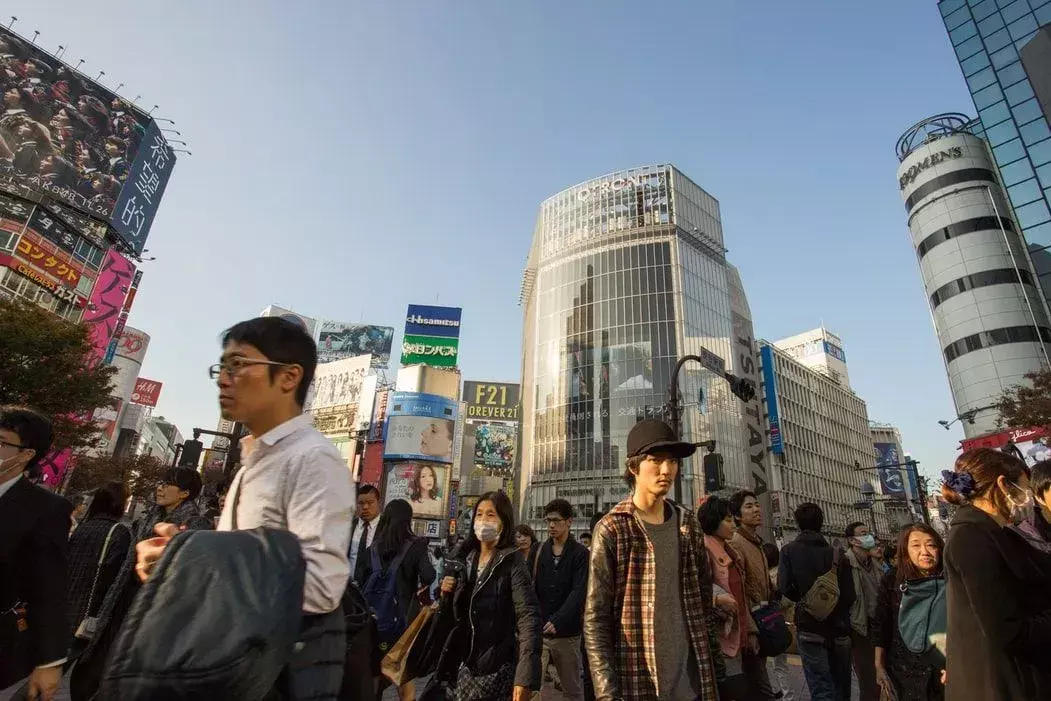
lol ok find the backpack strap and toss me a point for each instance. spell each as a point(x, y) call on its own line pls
point(396, 562)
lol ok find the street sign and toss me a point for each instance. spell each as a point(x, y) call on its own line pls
point(712, 362)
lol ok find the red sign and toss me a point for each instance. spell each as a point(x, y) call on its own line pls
point(47, 282)
point(372, 465)
point(999, 440)
point(146, 392)
point(48, 258)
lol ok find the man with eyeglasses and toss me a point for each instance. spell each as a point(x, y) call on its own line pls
point(293, 479)
point(34, 564)
point(561, 583)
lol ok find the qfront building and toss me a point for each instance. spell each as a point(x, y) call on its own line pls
point(628, 273)
point(987, 308)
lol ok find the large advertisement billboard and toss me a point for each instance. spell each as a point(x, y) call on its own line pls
point(64, 135)
point(420, 427)
point(432, 336)
point(492, 400)
point(107, 301)
point(424, 485)
point(338, 340)
point(888, 466)
point(338, 383)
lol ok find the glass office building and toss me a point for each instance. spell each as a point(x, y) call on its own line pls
point(988, 37)
point(627, 273)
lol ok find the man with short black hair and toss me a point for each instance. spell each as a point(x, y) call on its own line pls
point(34, 561)
point(748, 515)
point(561, 582)
point(649, 621)
point(824, 645)
point(293, 479)
point(363, 526)
point(866, 575)
point(1036, 528)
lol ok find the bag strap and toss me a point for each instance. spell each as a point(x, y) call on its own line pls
point(536, 561)
point(98, 568)
point(835, 559)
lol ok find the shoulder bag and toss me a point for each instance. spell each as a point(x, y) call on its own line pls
point(89, 626)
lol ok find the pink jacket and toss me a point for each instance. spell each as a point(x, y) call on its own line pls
point(728, 573)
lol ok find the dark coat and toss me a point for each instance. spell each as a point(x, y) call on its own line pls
point(999, 613)
point(561, 589)
point(804, 560)
point(85, 549)
point(916, 677)
point(1036, 531)
point(34, 569)
point(416, 571)
point(485, 617)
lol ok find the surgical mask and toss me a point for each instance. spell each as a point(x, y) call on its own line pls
point(1021, 509)
point(486, 532)
point(866, 542)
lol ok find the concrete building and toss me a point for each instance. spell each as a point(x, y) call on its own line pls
point(627, 273)
point(819, 438)
point(820, 350)
point(158, 438)
point(989, 314)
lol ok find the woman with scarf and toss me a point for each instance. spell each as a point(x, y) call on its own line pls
point(911, 607)
point(999, 587)
point(175, 504)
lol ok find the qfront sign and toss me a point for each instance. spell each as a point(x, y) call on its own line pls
point(932, 160)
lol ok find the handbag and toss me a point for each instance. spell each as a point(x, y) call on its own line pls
point(922, 614)
point(89, 626)
point(497, 685)
point(396, 663)
point(772, 629)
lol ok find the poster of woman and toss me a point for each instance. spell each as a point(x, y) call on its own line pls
point(424, 485)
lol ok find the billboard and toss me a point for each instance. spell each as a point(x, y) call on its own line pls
point(308, 324)
point(64, 273)
point(441, 322)
point(72, 139)
point(887, 463)
point(777, 445)
point(420, 427)
point(492, 400)
point(107, 301)
point(427, 350)
point(424, 485)
point(338, 340)
point(338, 384)
point(494, 445)
point(146, 392)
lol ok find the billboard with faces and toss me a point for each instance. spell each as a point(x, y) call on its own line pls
point(420, 427)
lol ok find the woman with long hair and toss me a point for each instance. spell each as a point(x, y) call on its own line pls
point(527, 544)
point(425, 492)
point(911, 669)
point(493, 652)
point(395, 541)
point(999, 588)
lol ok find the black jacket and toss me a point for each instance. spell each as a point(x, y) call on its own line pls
point(416, 571)
point(34, 569)
point(85, 550)
point(999, 622)
point(804, 560)
point(561, 589)
point(915, 676)
point(486, 617)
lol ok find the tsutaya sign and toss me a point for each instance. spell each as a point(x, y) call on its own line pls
point(931, 160)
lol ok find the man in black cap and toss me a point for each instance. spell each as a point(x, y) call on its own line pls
point(649, 622)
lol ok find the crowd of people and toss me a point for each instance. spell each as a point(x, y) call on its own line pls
point(658, 602)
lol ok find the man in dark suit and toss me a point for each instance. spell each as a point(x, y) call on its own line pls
point(34, 529)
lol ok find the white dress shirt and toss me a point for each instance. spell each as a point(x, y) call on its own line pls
point(4, 486)
point(355, 540)
point(295, 479)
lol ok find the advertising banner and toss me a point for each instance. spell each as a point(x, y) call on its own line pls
point(46, 281)
point(146, 392)
point(1028, 444)
point(912, 477)
point(308, 324)
point(423, 484)
point(424, 320)
point(366, 403)
point(776, 443)
point(51, 259)
point(338, 340)
point(133, 344)
point(372, 465)
point(889, 474)
point(338, 384)
point(494, 445)
point(76, 141)
point(428, 350)
point(379, 415)
point(497, 401)
point(107, 300)
point(420, 427)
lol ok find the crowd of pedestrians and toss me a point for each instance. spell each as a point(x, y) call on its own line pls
point(657, 602)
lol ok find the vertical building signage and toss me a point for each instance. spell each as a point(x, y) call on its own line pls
point(889, 473)
point(432, 336)
point(777, 445)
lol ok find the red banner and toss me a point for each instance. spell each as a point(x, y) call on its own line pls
point(999, 440)
point(146, 392)
point(47, 257)
point(46, 281)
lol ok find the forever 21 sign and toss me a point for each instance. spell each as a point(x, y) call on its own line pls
point(931, 160)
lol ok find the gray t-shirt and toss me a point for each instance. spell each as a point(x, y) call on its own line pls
point(677, 675)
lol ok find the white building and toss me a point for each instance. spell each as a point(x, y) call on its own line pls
point(820, 350)
point(158, 438)
point(819, 438)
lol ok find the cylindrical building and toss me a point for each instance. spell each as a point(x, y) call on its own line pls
point(990, 317)
point(627, 274)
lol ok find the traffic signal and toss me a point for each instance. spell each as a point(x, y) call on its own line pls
point(743, 388)
point(191, 453)
point(714, 477)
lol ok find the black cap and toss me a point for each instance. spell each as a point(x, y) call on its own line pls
point(655, 436)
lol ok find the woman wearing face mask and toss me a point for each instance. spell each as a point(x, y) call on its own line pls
point(494, 651)
point(999, 588)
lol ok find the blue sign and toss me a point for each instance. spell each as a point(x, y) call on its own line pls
point(777, 444)
point(835, 351)
point(420, 427)
point(889, 470)
point(442, 322)
point(910, 474)
point(142, 191)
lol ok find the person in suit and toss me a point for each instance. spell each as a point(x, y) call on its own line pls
point(34, 562)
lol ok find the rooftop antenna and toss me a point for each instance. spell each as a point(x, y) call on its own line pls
point(13, 20)
point(99, 76)
point(61, 49)
point(118, 87)
point(36, 33)
point(79, 64)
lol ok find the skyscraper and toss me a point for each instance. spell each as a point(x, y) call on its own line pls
point(627, 273)
point(989, 38)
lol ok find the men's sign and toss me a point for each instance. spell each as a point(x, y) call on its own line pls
point(932, 160)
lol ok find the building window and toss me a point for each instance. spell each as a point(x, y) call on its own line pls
point(995, 337)
point(1003, 276)
point(943, 181)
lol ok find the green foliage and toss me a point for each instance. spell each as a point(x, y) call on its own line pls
point(1023, 406)
point(139, 473)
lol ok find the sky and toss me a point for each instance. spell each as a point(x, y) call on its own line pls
point(350, 158)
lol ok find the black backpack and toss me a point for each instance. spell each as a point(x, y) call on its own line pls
point(381, 593)
point(218, 619)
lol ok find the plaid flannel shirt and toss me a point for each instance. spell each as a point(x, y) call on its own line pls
point(619, 634)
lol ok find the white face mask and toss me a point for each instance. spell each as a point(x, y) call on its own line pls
point(1021, 509)
point(486, 532)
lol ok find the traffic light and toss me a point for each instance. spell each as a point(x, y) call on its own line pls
point(714, 477)
point(743, 388)
point(191, 453)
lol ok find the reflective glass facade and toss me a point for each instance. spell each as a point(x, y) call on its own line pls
point(627, 274)
point(987, 36)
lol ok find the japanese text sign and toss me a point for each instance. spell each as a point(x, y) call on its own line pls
point(142, 192)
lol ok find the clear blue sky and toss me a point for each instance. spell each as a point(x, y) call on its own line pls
point(350, 158)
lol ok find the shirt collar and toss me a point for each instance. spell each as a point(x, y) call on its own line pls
point(4, 486)
point(277, 433)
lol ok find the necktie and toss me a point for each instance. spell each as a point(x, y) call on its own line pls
point(363, 545)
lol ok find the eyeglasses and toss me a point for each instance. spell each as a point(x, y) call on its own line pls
point(554, 519)
point(5, 444)
point(234, 366)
